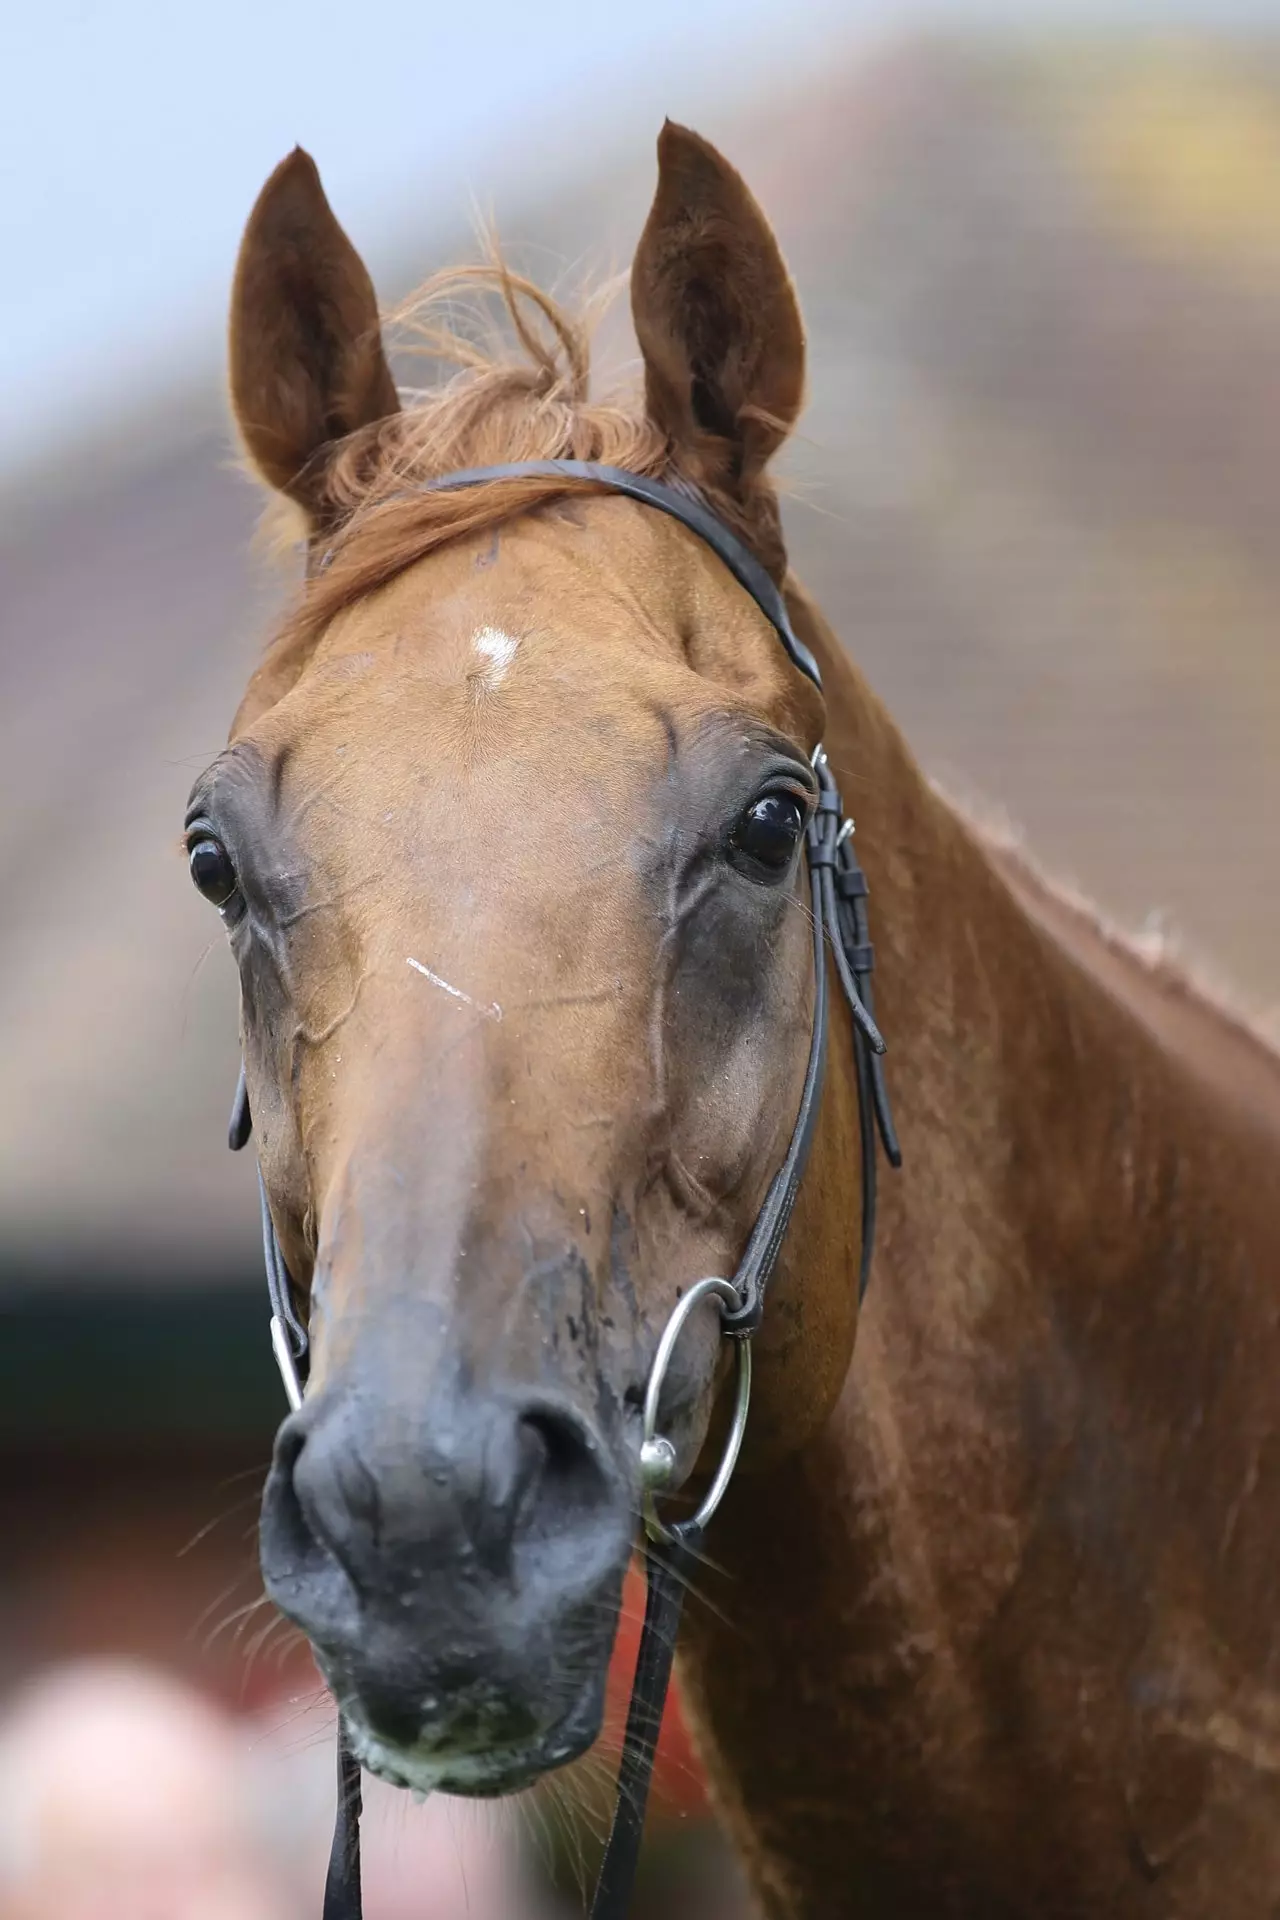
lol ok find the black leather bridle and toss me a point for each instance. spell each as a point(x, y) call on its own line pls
point(838, 898)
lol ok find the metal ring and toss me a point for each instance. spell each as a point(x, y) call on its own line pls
point(286, 1363)
point(726, 1292)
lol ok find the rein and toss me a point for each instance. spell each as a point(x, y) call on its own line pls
point(838, 900)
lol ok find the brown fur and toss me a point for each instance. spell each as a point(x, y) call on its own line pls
point(1009, 1621)
point(998, 1597)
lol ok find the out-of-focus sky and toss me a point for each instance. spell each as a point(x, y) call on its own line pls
point(134, 135)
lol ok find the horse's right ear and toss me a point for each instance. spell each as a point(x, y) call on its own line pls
point(307, 361)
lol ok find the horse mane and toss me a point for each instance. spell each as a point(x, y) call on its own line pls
point(1186, 1003)
point(513, 379)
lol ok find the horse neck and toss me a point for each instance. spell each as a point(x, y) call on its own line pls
point(1074, 1208)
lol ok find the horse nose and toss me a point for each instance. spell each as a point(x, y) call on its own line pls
point(421, 1556)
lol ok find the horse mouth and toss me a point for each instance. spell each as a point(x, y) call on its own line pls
point(484, 1774)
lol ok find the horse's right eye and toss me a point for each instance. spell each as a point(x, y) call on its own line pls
point(211, 869)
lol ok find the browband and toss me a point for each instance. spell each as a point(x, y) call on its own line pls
point(673, 498)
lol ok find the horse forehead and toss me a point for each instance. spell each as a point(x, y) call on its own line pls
point(593, 589)
point(445, 682)
point(535, 662)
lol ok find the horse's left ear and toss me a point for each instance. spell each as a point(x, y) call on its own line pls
point(716, 317)
point(307, 361)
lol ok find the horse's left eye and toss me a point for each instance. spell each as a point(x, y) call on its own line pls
point(769, 830)
point(211, 869)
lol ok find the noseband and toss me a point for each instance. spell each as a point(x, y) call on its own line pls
point(838, 898)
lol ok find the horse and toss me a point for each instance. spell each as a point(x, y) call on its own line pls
point(506, 843)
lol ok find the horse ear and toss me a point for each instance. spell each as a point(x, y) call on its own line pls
point(716, 316)
point(307, 361)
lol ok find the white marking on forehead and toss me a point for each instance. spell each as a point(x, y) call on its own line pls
point(492, 1012)
point(499, 650)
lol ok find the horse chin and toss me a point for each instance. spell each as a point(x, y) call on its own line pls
point(485, 1774)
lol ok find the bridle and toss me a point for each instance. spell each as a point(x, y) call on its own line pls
point(838, 898)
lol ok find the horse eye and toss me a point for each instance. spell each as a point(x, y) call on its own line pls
point(769, 830)
point(211, 869)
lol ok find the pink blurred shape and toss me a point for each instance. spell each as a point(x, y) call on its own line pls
point(124, 1795)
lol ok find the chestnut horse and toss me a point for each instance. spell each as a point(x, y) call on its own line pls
point(506, 841)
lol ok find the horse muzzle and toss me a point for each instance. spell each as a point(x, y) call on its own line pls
point(458, 1575)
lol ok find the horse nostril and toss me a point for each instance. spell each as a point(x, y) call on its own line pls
point(532, 1457)
point(293, 1539)
point(304, 1561)
point(569, 1482)
point(493, 1508)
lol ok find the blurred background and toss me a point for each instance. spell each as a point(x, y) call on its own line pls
point(1037, 489)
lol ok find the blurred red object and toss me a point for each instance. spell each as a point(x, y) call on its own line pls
point(679, 1786)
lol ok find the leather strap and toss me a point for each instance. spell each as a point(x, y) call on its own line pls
point(280, 1284)
point(342, 1891)
point(681, 502)
point(667, 1576)
point(241, 1123)
point(755, 1269)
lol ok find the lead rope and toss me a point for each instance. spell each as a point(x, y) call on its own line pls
point(838, 894)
